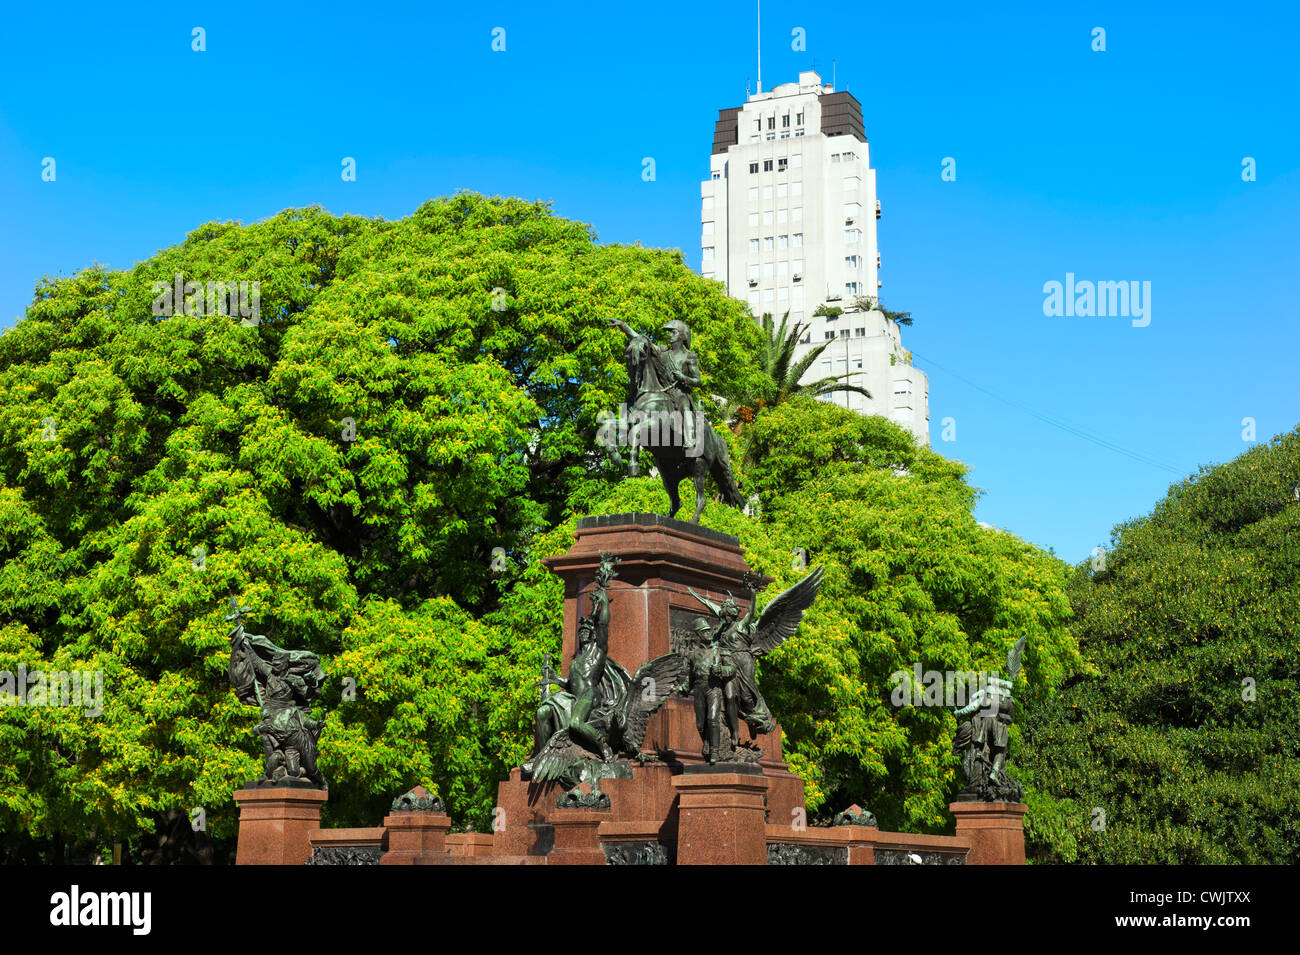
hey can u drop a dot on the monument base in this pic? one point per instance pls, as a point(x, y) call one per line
point(721, 818)
point(275, 825)
point(413, 836)
point(996, 831)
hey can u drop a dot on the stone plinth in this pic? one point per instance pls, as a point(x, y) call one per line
point(660, 558)
point(275, 825)
point(469, 844)
point(577, 837)
point(527, 810)
point(415, 835)
point(721, 818)
point(996, 831)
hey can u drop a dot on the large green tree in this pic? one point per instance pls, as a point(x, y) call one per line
point(378, 468)
point(1180, 743)
point(362, 467)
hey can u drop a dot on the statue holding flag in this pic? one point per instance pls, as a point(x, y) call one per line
point(282, 684)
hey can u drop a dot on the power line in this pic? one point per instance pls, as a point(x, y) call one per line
point(1056, 423)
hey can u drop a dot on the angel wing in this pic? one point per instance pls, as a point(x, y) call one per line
point(781, 617)
point(654, 682)
point(1013, 660)
point(556, 756)
point(712, 607)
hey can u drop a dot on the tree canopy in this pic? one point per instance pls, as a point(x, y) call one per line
point(378, 466)
point(1179, 743)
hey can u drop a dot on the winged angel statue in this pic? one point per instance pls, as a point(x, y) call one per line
point(599, 716)
point(721, 676)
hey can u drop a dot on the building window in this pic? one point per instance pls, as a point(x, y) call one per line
point(767, 217)
point(785, 135)
point(717, 174)
point(798, 132)
point(753, 219)
point(767, 244)
point(780, 216)
point(771, 136)
point(771, 122)
point(796, 190)
point(767, 270)
point(783, 242)
point(708, 203)
point(796, 214)
point(852, 288)
point(852, 261)
point(782, 267)
point(798, 119)
point(767, 165)
point(767, 193)
point(860, 333)
point(753, 167)
point(708, 253)
point(708, 227)
point(835, 157)
point(781, 190)
point(851, 236)
point(806, 340)
point(753, 193)
point(797, 242)
point(860, 361)
point(783, 294)
point(797, 265)
point(753, 245)
point(902, 386)
point(844, 333)
point(755, 138)
point(781, 164)
point(852, 209)
point(767, 295)
point(753, 272)
point(785, 120)
point(796, 160)
point(851, 183)
point(829, 336)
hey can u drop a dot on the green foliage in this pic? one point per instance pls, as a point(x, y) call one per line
point(911, 579)
point(128, 440)
point(1185, 729)
point(152, 466)
point(869, 303)
point(782, 374)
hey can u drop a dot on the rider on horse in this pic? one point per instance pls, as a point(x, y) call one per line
point(684, 369)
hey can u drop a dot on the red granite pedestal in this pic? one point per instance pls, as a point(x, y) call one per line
point(721, 819)
point(414, 836)
point(996, 831)
point(275, 825)
point(651, 613)
point(577, 836)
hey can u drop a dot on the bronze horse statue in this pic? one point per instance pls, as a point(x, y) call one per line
point(663, 418)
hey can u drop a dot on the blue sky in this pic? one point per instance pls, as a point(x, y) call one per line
point(1116, 165)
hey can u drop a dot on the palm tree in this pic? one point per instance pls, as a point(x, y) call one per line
point(783, 373)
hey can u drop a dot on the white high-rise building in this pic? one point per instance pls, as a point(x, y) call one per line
point(788, 223)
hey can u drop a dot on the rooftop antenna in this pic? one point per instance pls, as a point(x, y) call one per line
point(759, 5)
